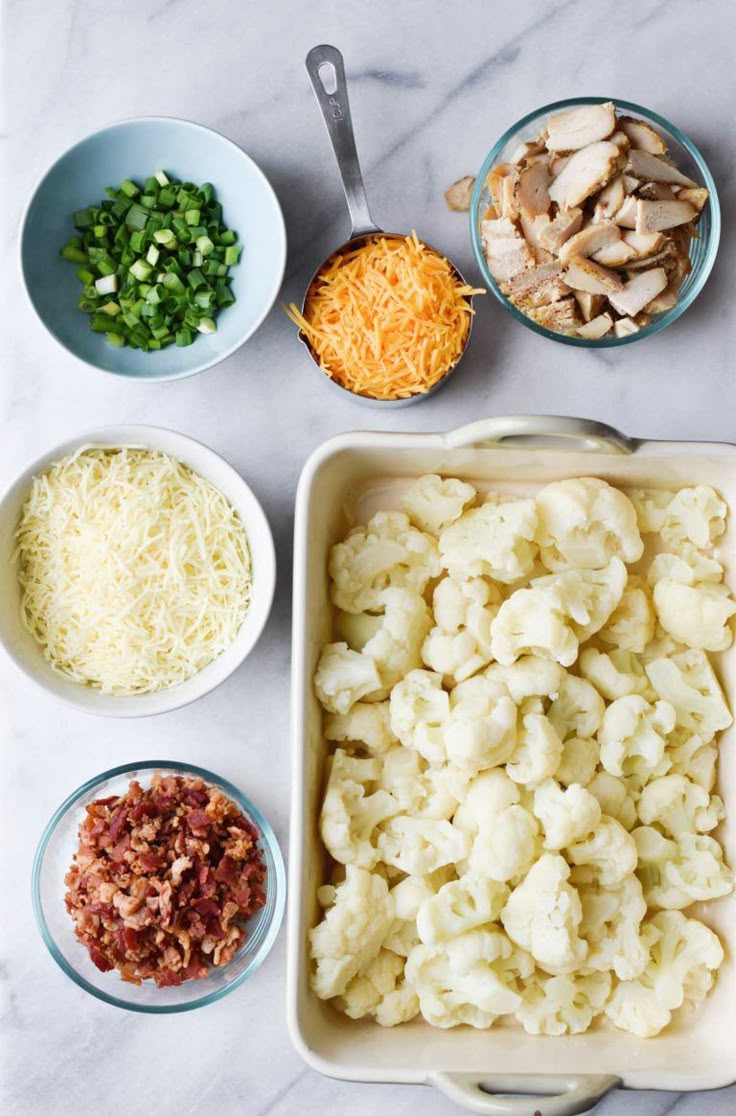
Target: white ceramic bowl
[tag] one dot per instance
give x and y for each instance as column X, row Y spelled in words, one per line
column 26, row 652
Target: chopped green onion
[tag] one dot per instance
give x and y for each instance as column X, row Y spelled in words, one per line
column 165, row 237
column 141, row 269
column 108, row 284
column 206, row 325
column 153, row 254
column 129, row 188
column 161, row 177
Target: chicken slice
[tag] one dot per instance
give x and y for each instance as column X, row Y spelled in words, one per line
column 591, row 305
column 642, row 135
column 560, row 229
column 643, row 244
column 610, row 199
column 532, row 229
column 560, row 317
column 558, row 163
column 588, row 170
column 526, row 150
column 586, row 275
column 596, row 327
column 624, row 327
column 576, row 128
column 664, row 257
column 614, row 255
column 459, row 194
column 506, row 252
column 650, row 168
column 639, row 291
column 626, row 215
column 621, row 140
column 533, row 194
column 538, row 286
column 589, row 240
column 666, row 300
column 696, row 195
column 653, row 216
column 499, row 189
column 656, row 191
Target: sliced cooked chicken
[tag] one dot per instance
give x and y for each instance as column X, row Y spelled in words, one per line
column 642, row 136
column 665, row 257
column 626, row 215
column 643, row 244
column 621, row 140
column 696, row 195
column 533, row 194
column 638, row 291
column 631, row 184
column 624, row 327
column 586, row 275
column 614, row 255
column 610, row 199
column 590, row 305
column 509, row 198
column 665, row 300
column 459, row 194
column 538, row 286
column 506, row 252
column 653, row 216
column 558, row 163
column 578, row 127
column 650, row 168
column 656, row 191
column 590, row 240
column 560, row 317
column 525, row 151
column 587, row 171
column 495, row 181
column 596, row 327
column 532, row 229
column 560, row 229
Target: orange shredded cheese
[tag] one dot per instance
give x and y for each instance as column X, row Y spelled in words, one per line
column 387, row 319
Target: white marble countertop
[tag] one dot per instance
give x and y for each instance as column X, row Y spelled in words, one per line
column 432, row 86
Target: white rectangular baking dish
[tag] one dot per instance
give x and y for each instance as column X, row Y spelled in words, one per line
column 344, row 482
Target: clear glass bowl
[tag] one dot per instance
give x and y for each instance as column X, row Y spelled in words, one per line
column 688, row 159
column 54, row 856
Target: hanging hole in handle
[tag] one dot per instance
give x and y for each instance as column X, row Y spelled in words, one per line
column 328, row 78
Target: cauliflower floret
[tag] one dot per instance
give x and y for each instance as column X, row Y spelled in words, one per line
column 387, row 553
column 612, row 925
column 343, row 677
column 349, row 814
column 696, row 515
column 580, row 757
column 565, row 815
column 688, row 682
column 396, row 645
column 543, row 914
column 495, row 540
column 419, row 711
column 356, row 628
column 588, row 597
column 690, row 567
column 533, row 622
column 615, row 674
column 419, row 846
column 650, row 505
column 471, row 979
column 538, row 752
column 380, row 992
column 685, row 956
column 350, row 935
column 420, row 790
column 675, row 874
column 460, row 643
column 482, row 730
column 633, row 734
column 691, row 757
column 631, row 624
column 614, row 798
column 578, row 708
column 408, row 896
column 433, row 502
column 563, row 1005
column 610, row 850
column 367, row 725
column 585, row 522
column 528, row 677
column 696, row 615
column 679, row 806
column 502, row 834
column 459, row 906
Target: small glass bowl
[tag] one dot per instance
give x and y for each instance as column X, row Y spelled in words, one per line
column 688, row 159
column 54, row 857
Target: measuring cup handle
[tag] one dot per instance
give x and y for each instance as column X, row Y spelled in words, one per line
column 335, row 109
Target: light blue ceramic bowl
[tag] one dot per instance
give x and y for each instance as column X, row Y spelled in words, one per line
column 135, row 149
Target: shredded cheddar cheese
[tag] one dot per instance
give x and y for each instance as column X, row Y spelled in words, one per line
column 135, row 571
column 388, row 319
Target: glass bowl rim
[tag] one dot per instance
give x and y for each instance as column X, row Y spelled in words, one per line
column 711, row 249
column 267, row 834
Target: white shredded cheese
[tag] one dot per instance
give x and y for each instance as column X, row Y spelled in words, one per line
column 135, row 571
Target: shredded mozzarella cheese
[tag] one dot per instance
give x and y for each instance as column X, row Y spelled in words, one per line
column 388, row 319
column 135, row 571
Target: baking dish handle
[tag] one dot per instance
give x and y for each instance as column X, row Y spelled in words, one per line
column 580, row 433
column 546, row 1094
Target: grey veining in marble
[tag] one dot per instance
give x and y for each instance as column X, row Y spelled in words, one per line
column 433, row 85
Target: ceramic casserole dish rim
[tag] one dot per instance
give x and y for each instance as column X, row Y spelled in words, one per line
column 573, row 1091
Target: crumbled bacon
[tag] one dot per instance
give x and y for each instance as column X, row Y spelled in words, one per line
column 164, row 881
